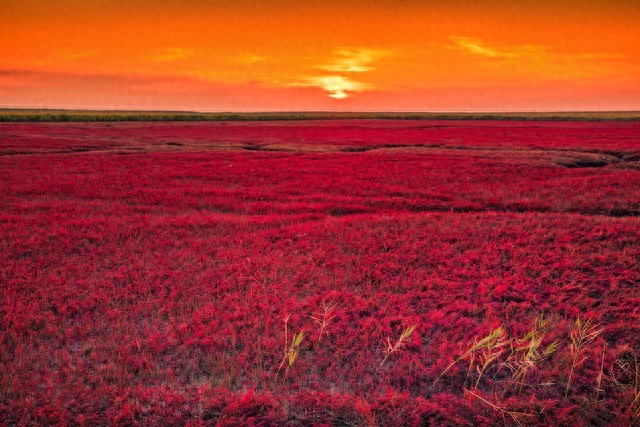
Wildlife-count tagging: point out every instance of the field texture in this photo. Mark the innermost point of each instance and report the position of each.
(320, 273)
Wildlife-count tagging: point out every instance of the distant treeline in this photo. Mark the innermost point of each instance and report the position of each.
(143, 116)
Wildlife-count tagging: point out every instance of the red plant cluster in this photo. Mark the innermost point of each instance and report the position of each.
(148, 269)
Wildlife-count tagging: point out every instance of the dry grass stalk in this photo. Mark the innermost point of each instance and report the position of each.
(519, 418)
(634, 408)
(490, 341)
(527, 352)
(324, 317)
(400, 342)
(291, 351)
(582, 334)
(489, 354)
(619, 376)
(292, 354)
(600, 376)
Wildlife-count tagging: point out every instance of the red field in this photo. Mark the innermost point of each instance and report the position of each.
(148, 271)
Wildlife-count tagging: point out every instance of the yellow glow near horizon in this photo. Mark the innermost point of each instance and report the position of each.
(338, 87)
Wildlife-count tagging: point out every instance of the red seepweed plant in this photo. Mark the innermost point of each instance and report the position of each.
(145, 269)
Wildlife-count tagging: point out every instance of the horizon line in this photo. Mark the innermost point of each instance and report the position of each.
(360, 111)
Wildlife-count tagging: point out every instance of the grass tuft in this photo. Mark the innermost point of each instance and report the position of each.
(527, 352)
(291, 351)
(400, 342)
(582, 334)
(489, 343)
(324, 317)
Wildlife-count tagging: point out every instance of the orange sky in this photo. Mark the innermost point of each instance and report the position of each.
(321, 55)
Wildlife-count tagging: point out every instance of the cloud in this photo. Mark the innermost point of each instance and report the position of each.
(599, 56)
(73, 55)
(172, 54)
(15, 78)
(42, 89)
(538, 60)
(479, 48)
(343, 62)
(338, 87)
(249, 59)
(353, 60)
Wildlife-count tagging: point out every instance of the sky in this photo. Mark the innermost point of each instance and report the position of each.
(349, 55)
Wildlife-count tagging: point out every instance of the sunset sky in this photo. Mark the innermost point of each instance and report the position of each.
(381, 55)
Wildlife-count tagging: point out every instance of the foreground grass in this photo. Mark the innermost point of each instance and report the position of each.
(31, 115)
